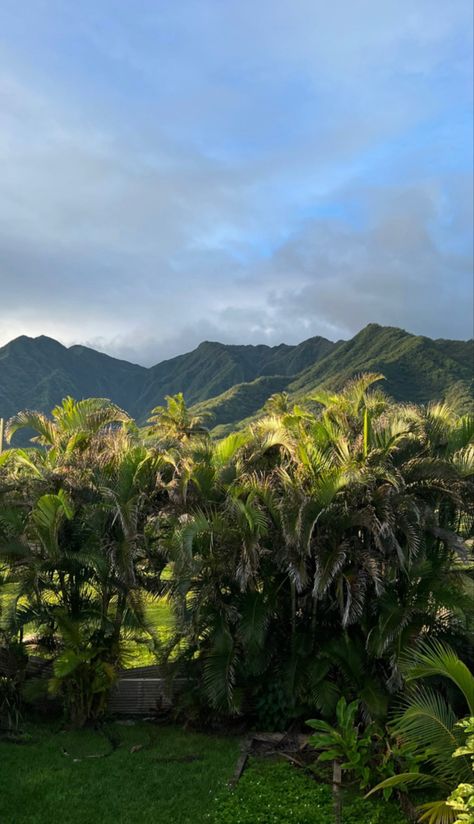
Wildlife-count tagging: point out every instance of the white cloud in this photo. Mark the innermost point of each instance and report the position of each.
(243, 172)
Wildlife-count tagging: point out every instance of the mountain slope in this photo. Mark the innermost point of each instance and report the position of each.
(242, 400)
(37, 373)
(214, 368)
(232, 382)
(416, 368)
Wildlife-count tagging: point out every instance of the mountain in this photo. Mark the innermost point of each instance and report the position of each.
(36, 373)
(232, 382)
(417, 368)
(214, 368)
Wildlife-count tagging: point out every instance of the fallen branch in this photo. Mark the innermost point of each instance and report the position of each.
(242, 762)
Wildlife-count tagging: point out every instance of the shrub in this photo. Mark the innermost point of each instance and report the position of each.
(10, 712)
(461, 799)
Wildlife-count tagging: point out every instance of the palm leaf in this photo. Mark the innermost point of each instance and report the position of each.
(433, 658)
(428, 723)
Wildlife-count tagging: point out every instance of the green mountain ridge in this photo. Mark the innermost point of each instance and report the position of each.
(230, 381)
(417, 369)
(242, 401)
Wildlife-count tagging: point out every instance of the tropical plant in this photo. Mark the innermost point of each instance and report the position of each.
(429, 725)
(346, 746)
(462, 798)
(175, 420)
(344, 742)
(343, 534)
(75, 561)
(73, 425)
(10, 704)
(304, 554)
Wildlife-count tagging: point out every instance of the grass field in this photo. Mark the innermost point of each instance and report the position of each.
(160, 775)
(173, 778)
(276, 792)
(160, 617)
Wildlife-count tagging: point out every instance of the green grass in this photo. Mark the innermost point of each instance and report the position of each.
(278, 793)
(160, 618)
(177, 776)
(40, 785)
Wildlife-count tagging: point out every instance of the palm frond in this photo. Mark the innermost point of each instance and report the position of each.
(434, 658)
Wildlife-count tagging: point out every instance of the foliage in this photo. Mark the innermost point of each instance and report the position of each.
(10, 704)
(84, 679)
(462, 802)
(72, 537)
(301, 557)
(272, 708)
(344, 743)
(428, 725)
(311, 535)
(175, 421)
(462, 798)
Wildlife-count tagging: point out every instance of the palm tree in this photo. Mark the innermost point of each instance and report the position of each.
(278, 404)
(308, 551)
(331, 528)
(175, 421)
(73, 425)
(75, 553)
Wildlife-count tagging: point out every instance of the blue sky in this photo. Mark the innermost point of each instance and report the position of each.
(247, 172)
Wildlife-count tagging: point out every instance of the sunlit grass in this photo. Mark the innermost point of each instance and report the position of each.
(139, 652)
(160, 618)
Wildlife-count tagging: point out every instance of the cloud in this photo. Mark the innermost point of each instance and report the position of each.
(238, 172)
(395, 270)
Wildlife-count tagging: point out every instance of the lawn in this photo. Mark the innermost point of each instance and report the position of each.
(160, 618)
(276, 792)
(159, 774)
(173, 778)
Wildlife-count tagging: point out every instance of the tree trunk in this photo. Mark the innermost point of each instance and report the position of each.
(337, 791)
(293, 608)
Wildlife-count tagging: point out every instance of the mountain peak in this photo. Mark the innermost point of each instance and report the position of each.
(36, 343)
(38, 372)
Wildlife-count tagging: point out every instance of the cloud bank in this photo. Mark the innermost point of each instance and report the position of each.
(243, 172)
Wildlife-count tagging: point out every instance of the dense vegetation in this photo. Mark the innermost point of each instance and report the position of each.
(318, 563)
(232, 381)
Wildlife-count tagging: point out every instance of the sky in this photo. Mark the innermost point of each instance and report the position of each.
(251, 172)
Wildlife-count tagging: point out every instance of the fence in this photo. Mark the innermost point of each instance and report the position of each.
(142, 690)
(138, 691)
